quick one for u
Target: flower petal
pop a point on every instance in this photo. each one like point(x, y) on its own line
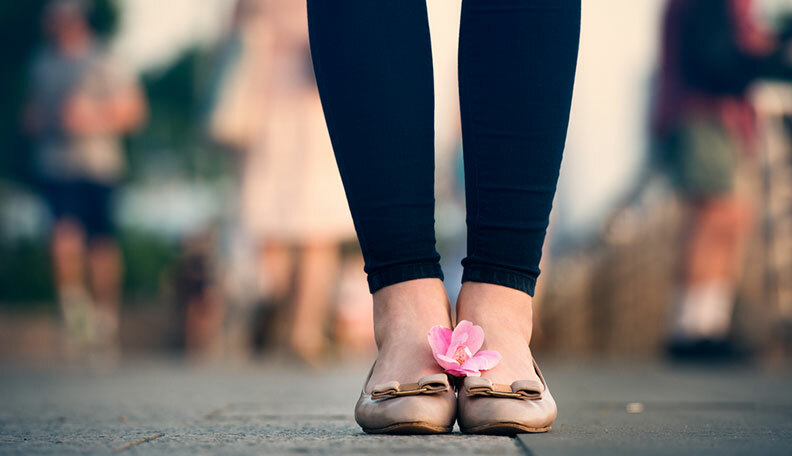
point(445, 362)
point(439, 339)
point(463, 372)
point(483, 360)
point(458, 337)
point(475, 338)
point(455, 372)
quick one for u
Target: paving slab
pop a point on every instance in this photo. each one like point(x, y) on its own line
point(172, 407)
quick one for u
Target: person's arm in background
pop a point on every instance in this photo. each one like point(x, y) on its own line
point(120, 111)
point(127, 110)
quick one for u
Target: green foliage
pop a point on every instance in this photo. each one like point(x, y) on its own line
point(177, 98)
point(172, 95)
point(146, 259)
point(27, 277)
point(104, 18)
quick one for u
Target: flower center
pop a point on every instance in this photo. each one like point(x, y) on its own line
point(462, 354)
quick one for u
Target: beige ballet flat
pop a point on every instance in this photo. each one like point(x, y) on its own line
point(523, 406)
point(425, 407)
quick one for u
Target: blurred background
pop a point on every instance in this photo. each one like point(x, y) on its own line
point(167, 185)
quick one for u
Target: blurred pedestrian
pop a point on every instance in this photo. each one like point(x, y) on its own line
point(80, 104)
point(713, 50)
point(200, 306)
point(292, 200)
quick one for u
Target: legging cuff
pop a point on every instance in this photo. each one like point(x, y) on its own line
point(402, 273)
point(500, 276)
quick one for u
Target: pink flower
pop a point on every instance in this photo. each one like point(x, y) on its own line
point(458, 352)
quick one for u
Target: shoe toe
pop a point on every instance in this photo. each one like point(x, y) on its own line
point(480, 413)
point(427, 411)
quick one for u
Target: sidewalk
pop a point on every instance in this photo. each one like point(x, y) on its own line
point(161, 407)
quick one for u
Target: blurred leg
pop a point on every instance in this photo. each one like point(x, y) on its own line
point(373, 66)
point(316, 275)
point(106, 271)
point(68, 255)
point(277, 268)
point(277, 280)
point(517, 63)
point(711, 263)
point(204, 318)
point(94, 204)
point(106, 268)
point(715, 242)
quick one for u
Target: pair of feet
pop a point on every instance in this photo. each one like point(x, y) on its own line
point(404, 313)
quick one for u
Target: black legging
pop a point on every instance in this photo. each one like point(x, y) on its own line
point(373, 65)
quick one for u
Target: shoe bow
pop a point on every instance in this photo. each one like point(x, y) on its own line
point(431, 384)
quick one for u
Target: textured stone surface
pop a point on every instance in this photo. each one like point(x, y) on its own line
point(272, 408)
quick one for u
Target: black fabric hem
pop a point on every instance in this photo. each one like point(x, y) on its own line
point(402, 273)
point(500, 276)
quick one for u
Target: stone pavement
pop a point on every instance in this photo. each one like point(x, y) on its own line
point(171, 407)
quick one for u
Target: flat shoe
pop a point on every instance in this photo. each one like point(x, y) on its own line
point(491, 408)
point(427, 406)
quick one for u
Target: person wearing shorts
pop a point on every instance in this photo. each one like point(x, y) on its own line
point(80, 103)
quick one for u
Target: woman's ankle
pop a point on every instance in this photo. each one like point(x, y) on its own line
point(506, 316)
point(488, 304)
point(409, 309)
point(403, 314)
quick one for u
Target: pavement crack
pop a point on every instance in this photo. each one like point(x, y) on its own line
point(137, 442)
